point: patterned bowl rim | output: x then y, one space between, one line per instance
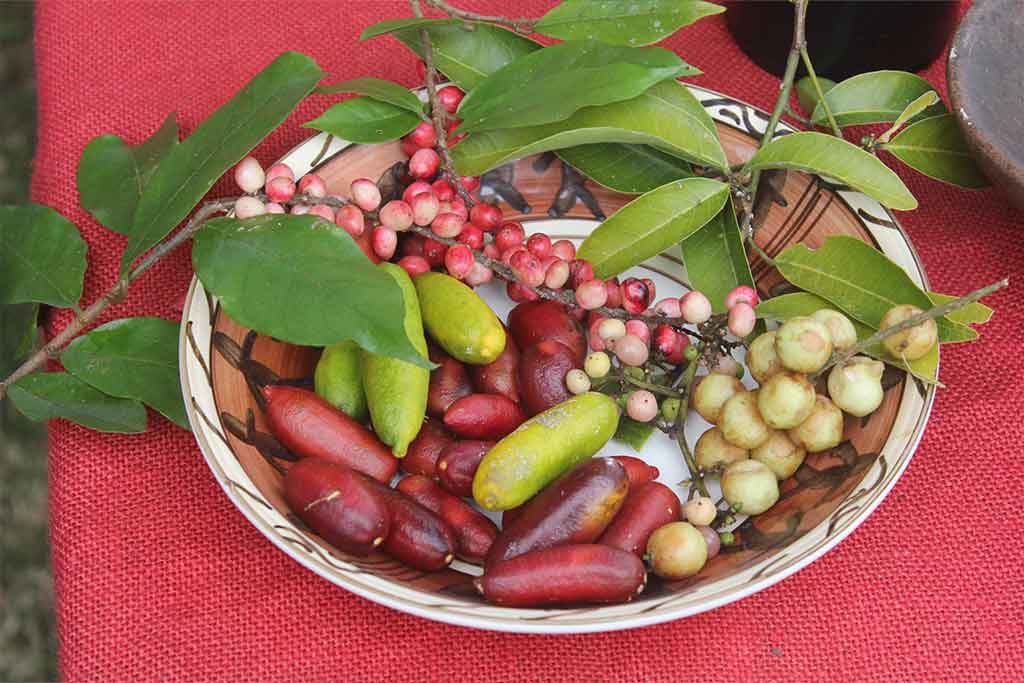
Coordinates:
907 429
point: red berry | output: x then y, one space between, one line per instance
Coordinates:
487 216
447 225
280 189
527 268
396 215
434 251
312 185
424 163
409 147
506 256
491 251
580 271
669 308
564 249
509 235
384 242
443 189
591 294
470 182
425 208
741 293
273 207
539 244
423 136
414 265
596 342
415 189
638 329
614 293
458 207
458 261
351 218
556 274
519 293
472 236
636 294
478 275
365 194
279 171
450 96
670 343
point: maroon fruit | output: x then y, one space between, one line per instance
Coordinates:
448 383
474 533
310 427
425 449
542 371
580 271
418 537
537 321
647 507
638 471
458 464
500 377
637 294
568 574
488 417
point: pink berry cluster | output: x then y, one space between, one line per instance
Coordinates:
740 302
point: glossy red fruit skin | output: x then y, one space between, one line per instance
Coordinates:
487 216
575 508
434 252
487 417
448 383
533 322
443 189
614 293
474 533
450 97
509 235
310 427
638 471
426 449
580 271
566 575
520 293
472 236
458 463
500 377
542 370
648 507
418 537
340 505
637 294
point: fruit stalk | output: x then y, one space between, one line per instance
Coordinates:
679 428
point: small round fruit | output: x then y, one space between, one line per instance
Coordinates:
750 487
840 328
780 455
642 406
741 421
249 175
712 539
597 364
280 189
695 307
396 215
677 550
912 343
577 381
631 350
365 194
803 344
856 386
247 207
712 392
823 428
639 329
785 400
591 294
742 319
741 294
700 511
713 453
611 329
762 361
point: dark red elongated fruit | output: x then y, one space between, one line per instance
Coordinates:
502 376
425 449
568 574
448 383
473 531
342 506
458 464
418 537
311 427
639 472
542 372
536 321
647 507
488 417
575 508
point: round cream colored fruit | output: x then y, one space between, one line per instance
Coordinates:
840 328
712 392
700 511
741 422
856 386
912 343
785 400
803 345
712 452
677 550
780 455
823 428
750 487
762 361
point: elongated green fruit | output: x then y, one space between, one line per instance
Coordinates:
459 320
338 379
542 448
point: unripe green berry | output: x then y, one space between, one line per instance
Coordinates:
780 455
670 409
912 343
785 400
727 537
712 452
597 364
634 374
712 392
840 328
690 354
762 361
750 487
856 387
741 421
823 428
677 550
803 345
700 511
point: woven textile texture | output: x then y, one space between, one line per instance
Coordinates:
159 577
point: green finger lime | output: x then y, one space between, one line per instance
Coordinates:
338 379
459 320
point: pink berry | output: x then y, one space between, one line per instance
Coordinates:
591 294
351 219
312 185
631 350
385 240
670 343
695 307
639 329
415 189
408 148
247 207
471 236
614 292
450 96
414 265
458 207
280 189
324 211
443 189
365 194
636 294
669 308
491 251
557 274
527 268
447 225
434 251
487 216
642 406
299 209
509 235
470 182
742 293
478 275
741 319
424 208
424 164
274 207
518 293
458 261
597 343
249 175
564 249
539 244
423 136
280 171
506 256
580 271
396 215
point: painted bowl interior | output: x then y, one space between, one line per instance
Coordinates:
827 498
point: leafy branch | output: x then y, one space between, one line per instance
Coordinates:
517 25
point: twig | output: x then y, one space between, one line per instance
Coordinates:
517 25
679 428
818 91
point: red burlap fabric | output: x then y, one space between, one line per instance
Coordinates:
159 577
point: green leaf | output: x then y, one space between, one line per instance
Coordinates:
975 313
150 152
191 168
393 25
913 109
554 82
652 223
807 95
875 97
18 332
625 168
378 89
635 23
365 120
632 433
861 281
667 116
835 158
304 281
133 358
42 257
715 258
936 148
44 396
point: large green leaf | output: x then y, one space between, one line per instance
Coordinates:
378 89
392 25
554 82
625 168
634 434
151 151
836 158
633 22
44 396
42 257
652 223
667 116
191 168
861 281
133 358
715 258
18 332
304 281
807 95
936 148
875 97
365 120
